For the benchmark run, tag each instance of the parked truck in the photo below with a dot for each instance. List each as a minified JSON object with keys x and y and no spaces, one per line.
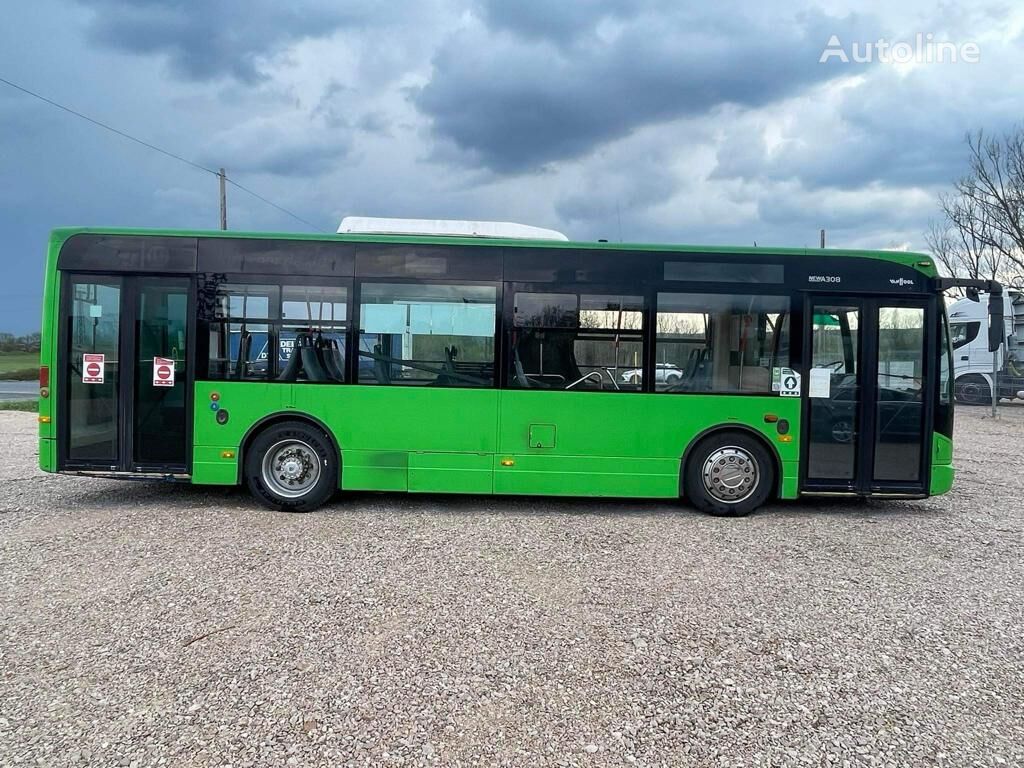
{"x":973,"y":363}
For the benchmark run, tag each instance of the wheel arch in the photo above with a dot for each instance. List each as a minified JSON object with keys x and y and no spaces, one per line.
{"x":743,"y":429}
{"x":982,"y":374}
{"x":277,"y":418}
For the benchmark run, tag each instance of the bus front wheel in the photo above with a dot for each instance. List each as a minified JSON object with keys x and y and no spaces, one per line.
{"x":729,"y":474}
{"x":291,"y":466}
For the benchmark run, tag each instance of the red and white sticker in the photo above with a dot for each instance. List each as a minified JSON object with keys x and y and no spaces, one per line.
{"x":163,"y":372}
{"x":92,"y":368}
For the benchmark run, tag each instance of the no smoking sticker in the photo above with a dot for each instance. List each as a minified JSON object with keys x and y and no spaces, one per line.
{"x":163,"y":372}
{"x":92,"y":368}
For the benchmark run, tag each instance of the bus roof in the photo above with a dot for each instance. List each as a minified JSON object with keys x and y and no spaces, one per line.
{"x":920,"y":261}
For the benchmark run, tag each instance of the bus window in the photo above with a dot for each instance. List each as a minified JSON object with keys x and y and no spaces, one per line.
{"x":577,"y":341}
{"x":240,"y":330}
{"x":293,"y":333}
{"x":311,"y":342}
{"x":720,"y":343}
{"x":427,"y":335}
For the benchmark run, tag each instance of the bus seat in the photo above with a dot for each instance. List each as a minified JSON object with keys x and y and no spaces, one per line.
{"x":291,"y":369}
{"x":323,"y":353}
{"x":521,"y":377}
{"x":244,"y":347}
{"x":334,"y":359}
{"x":311,"y":364}
{"x":381,"y":371}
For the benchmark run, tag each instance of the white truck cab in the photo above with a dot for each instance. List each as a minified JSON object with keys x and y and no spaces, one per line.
{"x":973,"y":363}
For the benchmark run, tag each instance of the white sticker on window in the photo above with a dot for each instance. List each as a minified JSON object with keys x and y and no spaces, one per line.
{"x":819,"y":383}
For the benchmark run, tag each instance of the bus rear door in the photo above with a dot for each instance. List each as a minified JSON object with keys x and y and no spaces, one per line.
{"x":125,"y":374}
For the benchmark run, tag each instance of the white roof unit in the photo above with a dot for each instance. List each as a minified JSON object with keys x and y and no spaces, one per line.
{"x":372,"y":225}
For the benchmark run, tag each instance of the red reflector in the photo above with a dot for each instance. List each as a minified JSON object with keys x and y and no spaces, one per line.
{"x":44,"y":376}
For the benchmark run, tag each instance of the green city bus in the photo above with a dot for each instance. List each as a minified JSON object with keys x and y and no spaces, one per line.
{"x":303,"y":364}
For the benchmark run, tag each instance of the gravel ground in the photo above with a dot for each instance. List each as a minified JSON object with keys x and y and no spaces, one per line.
{"x":144,"y":624}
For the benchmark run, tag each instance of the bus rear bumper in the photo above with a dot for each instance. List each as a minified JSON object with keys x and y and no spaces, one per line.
{"x":942,"y":479}
{"x":47,"y":454}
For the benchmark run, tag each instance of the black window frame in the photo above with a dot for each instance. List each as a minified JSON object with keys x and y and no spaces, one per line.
{"x":643,"y":290}
{"x":355,"y":323}
{"x":794,"y":317}
{"x":275,"y":323}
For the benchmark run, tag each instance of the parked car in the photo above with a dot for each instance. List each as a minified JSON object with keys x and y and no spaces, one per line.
{"x":665,"y":373}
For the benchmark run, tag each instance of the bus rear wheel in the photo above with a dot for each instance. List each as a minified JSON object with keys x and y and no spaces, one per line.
{"x":729,"y":475}
{"x":291,"y":466}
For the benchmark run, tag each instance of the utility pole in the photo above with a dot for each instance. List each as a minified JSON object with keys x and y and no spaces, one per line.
{"x":822,"y":236}
{"x":223,"y":199}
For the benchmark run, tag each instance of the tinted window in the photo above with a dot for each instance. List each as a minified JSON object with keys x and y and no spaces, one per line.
{"x":122,"y":253}
{"x":577,"y":341}
{"x":720,"y":343}
{"x":431,"y":261}
{"x":723,"y":272}
{"x":292,"y":333}
{"x":419,"y":335}
{"x":572,"y":265}
{"x":275,"y":257}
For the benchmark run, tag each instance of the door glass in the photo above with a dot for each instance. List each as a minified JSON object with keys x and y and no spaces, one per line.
{"x":160,"y":381}
{"x":94,"y":372}
{"x":834,"y":392}
{"x":899,"y":426}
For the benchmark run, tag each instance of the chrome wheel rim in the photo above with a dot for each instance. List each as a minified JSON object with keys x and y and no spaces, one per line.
{"x":730,"y":474}
{"x":291,"y":468}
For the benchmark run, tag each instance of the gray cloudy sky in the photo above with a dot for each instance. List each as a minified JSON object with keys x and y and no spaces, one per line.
{"x":639,"y":119}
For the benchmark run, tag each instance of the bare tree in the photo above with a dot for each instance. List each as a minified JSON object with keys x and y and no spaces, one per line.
{"x":983,"y":232}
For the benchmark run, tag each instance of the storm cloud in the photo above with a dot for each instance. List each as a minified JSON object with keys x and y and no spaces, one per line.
{"x":226,"y":38}
{"x":515,"y":102}
{"x":635,"y":120}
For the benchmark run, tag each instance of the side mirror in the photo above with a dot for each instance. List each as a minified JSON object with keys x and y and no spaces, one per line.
{"x":996,"y":327}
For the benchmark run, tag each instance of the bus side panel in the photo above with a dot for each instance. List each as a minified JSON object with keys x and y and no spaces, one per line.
{"x":622,"y":444}
{"x":391,"y":438}
{"x":216,"y":446}
{"x":408,"y":438}
{"x":48,"y":346}
{"x":942,"y":465}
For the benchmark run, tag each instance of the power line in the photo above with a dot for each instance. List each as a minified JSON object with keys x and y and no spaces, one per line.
{"x":107,"y":127}
{"x":309,"y":224}
{"x":155,"y":148}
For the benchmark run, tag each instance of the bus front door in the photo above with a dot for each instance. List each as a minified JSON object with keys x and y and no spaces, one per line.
{"x":865,"y":396}
{"x":126,"y":403}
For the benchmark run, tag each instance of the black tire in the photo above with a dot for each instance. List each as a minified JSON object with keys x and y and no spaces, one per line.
{"x":972,"y":389}
{"x":729,"y":453}
{"x":291,"y":466}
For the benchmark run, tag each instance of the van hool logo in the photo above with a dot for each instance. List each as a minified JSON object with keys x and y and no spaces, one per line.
{"x":824,"y":279}
{"x":900,"y":281}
